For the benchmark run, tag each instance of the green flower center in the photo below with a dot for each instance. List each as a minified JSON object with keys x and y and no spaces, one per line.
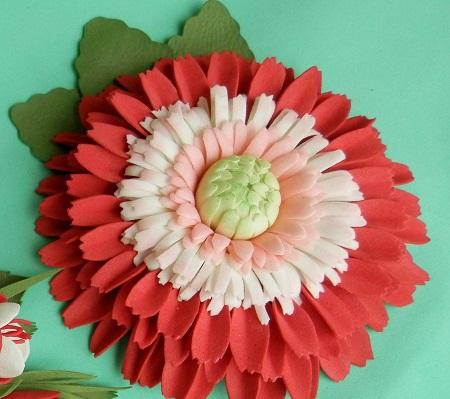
{"x":239,"y":197}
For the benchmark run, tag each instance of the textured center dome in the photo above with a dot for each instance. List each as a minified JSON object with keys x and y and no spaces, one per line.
{"x":239,"y":197}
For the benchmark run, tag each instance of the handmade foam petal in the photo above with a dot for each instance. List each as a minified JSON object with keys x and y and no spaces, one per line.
{"x":414,"y":231}
{"x":104,"y":242}
{"x":70,"y":139}
{"x":136,"y":360}
{"x":337,"y":368}
{"x":268,"y":79}
{"x":117,"y":271}
{"x":373,"y":182}
{"x":176,"y":317}
{"x":50,"y":227}
{"x":186,"y":381}
{"x":273,"y":363}
{"x":151,"y":373}
{"x":106,"y":334}
{"x":52,"y":185}
{"x":204,"y":348}
{"x":148,"y":296}
{"x":61,"y":253}
{"x":402,"y":174}
{"x":89,"y":307}
{"x":145,"y":332}
{"x":87,"y":185}
{"x":101,"y":162}
{"x":176,"y":351}
{"x":359,"y":347}
{"x":300,"y":376}
{"x":297,"y":331}
{"x":331,"y":113}
{"x":55,"y":206}
{"x":241,"y":385}
{"x":190,"y":79}
{"x":302,"y":93}
{"x":159,"y":90}
{"x":249,"y":340}
{"x":95,"y":211}
{"x":383,"y":213}
{"x":223,"y":70}
{"x":64,"y":286}
{"x":130,"y":108}
{"x":378,"y":245}
{"x":111,"y":137}
{"x":86,"y":272}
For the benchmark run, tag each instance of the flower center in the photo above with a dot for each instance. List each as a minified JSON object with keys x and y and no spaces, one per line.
{"x":239,"y":197}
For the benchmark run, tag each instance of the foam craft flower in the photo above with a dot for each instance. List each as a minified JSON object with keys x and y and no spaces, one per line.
{"x":14,"y":341}
{"x":232,"y":221}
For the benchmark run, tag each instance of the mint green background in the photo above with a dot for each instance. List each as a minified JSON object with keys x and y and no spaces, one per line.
{"x":390,"y":57}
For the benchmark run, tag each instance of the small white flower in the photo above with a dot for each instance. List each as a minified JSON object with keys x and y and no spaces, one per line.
{"x":14,"y":350}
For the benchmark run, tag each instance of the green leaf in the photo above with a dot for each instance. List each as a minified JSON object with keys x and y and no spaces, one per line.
{"x":42,"y":116}
{"x":12,"y":290}
{"x":213,"y":29}
{"x":109,"y":48}
{"x":55,"y":375}
{"x":30,"y":328}
{"x":6,"y":279}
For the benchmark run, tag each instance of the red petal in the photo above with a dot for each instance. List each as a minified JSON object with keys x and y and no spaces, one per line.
{"x":358,"y":145}
{"x":273,"y":363}
{"x":176,"y":317}
{"x":249,"y":339}
{"x":378,"y":316}
{"x":52,"y":185}
{"x":268,"y":79}
{"x":61,"y":253}
{"x":120,"y":312}
{"x":137,"y":362}
{"x":298,"y":376}
{"x":100,"y":117}
{"x":271,"y":390}
{"x":245,"y":75}
{"x":64,"y":286}
{"x":95,"y":211}
{"x":98,"y":103}
{"x":377,"y":245}
{"x":331,"y":113}
{"x":302,"y":93}
{"x":130,"y":108}
{"x":402,"y":174}
{"x":145,"y":332}
{"x":117,"y":271}
{"x":297,"y":331}
{"x":55,"y":206}
{"x":110,"y":137}
{"x":414,"y":231}
{"x":106,"y":334}
{"x":151,"y":373}
{"x":50,"y":227}
{"x":64,"y":163}
{"x":383,"y":213}
{"x":159,"y":89}
{"x":89,"y":307}
{"x":373,"y":182}
{"x":360,"y":347}
{"x":408,"y":200}
{"x":85,"y":185}
{"x":103,"y":242}
{"x":224,"y":71}
{"x":176,"y":351}
{"x":70,"y":139}
{"x":241,"y":385}
{"x":353,"y":123}
{"x":337,"y":367}
{"x":131,"y":84}
{"x":204,"y":348}
{"x":216,"y":371}
{"x":148,"y":295}
{"x":100,"y":162}
{"x":187,"y":381}
{"x":86,"y":272}
{"x":190,"y":79}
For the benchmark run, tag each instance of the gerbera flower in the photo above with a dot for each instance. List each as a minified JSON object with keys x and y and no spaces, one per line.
{"x":231,"y":221}
{"x":14,"y":341}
